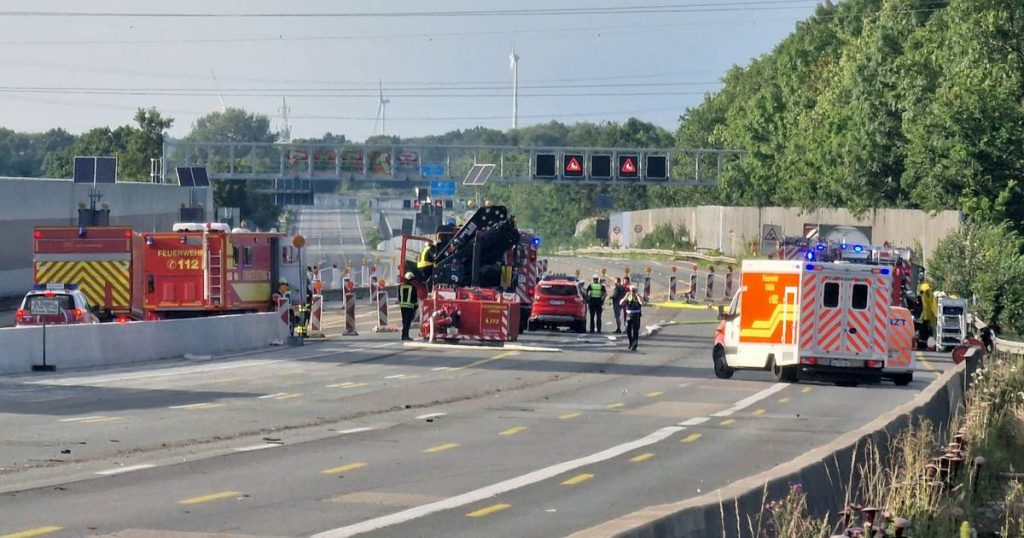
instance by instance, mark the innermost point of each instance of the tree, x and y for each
(133, 146)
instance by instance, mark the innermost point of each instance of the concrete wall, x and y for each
(732, 229)
(26, 203)
(77, 346)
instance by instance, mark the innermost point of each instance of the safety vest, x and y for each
(633, 304)
(407, 296)
(596, 290)
(426, 258)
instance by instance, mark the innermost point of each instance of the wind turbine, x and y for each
(382, 108)
(220, 93)
(514, 64)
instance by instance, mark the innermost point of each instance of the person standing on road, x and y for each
(618, 292)
(596, 294)
(632, 305)
(408, 300)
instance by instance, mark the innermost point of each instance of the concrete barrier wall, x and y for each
(76, 346)
(732, 229)
(823, 472)
(26, 203)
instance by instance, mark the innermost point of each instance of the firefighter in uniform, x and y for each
(596, 294)
(631, 305)
(408, 300)
(425, 265)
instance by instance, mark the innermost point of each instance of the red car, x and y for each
(558, 302)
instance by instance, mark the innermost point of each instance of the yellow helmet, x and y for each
(925, 287)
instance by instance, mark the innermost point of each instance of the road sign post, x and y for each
(43, 308)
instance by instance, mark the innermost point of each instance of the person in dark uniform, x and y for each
(408, 300)
(632, 306)
(596, 294)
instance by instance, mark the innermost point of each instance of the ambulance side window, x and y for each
(830, 295)
(859, 301)
(246, 256)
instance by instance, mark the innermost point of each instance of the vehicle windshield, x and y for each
(64, 301)
(563, 290)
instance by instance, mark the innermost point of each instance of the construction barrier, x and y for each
(382, 314)
(691, 295)
(647, 288)
(729, 290)
(284, 312)
(672, 287)
(350, 313)
(316, 316)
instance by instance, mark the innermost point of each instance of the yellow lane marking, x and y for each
(569, 416)
(805, 390)
(691, 438)
(484, 361)
(346, 385)
(577, 479)
(289, 396)
(727, 421)
(642, 457)
(344, 468)
(654, 394)
(783, 400)
(206, 405)
(97, 420)
(928, 366)
(758, 413)
(489, 510)
(513, 430)
(32, 532)
(615, 405)
(210, 497)
(439, 448)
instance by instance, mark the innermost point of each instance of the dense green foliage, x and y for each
(133, 147)
(28, 154)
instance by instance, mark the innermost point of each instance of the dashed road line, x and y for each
(290, 396)
(79, 419)
(489, 510)
(570, 416)
(583, 477)
(33, 532)
(727, 422)
(357, 430)
(348, 385)
(484, 361)
(642, 457)
(128, 469)
(430, 415)
(210, 497)
(615, 405)
(344, 468)
(268, 396)
(759, 412)
(514, 430)
(98, 420)
(204, 405)
(440, 448)
(805, 390)
(750, 400)
(654, 394)
(783, 400)
(695, 421)
(691, 438)
(256, 447)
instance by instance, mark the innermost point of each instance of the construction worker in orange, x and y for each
(408, 301)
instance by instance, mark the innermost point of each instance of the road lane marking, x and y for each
(750, 400)
(274, 395)
(430, 415)
(489, 510)
(98, 420)
(691, 438)
(805, 390)
(211, 497)
(440, 369)
(569, 416)
(128, 469)
(204, 405)
(578, 479)
(78, 419)
(654, 394)
(759, 412)
(783, 400)
(396, 376)
(493, 490)
(928, 366)
(642, 457)
(33, 532)
(289, 396)
(357, 430)
(344, 468)
(695, 421)
(348, 385)
(727, 422)
(484, 361)
(514, 430)
(439, 448)
(615, 405)
(256, 447)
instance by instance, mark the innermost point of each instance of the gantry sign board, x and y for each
(425, 163)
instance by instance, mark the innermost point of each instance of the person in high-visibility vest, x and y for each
(632, 306)
(425, 265)
(408, 300)
(596, 294)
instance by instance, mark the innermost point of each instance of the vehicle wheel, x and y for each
(902, 380)
(784, 374)
(531, 325)
(722, 370)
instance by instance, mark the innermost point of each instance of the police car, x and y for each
(54, 304)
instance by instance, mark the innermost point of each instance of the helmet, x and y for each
(409, 275)
(595, 276)
(632, 287)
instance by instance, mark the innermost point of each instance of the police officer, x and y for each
(596, 294)
(632, 306)
(408, 300)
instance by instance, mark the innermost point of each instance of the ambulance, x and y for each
(804, 319)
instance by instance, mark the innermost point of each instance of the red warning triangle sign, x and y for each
(573, 166)
(628, 167)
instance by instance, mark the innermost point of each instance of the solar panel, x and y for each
(106, 169)
(199, 176)
(85, 169)
(185, 176)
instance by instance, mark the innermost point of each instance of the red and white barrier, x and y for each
(350, 313)
(316, 317)
(382, 314)
(672, 287)
(284, 311)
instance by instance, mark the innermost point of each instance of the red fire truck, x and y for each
(197, 269)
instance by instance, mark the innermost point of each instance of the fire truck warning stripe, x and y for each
(91, 277)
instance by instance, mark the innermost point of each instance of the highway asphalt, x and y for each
(361, 434)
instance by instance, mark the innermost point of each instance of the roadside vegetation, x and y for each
(929, 482)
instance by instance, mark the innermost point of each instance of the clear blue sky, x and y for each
(440, 72)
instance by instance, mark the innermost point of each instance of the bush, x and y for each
(665, 236)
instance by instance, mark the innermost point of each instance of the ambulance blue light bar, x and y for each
(858, 248)
(54, 287)
(536, 241)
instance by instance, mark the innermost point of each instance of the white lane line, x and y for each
(695, 421)
(497, 489)
(440, 369)
(356, 430)
(389, 344)
(274, 395)
(77, 419)
(130, 468)
(430, 415)
(203, 405)
(750, 400)
(396, 376)
(256, 447)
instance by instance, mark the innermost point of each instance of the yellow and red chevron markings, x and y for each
(104, 283)
(783, 313)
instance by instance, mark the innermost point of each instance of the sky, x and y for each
(441, 65)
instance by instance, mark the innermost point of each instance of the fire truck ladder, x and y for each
(212, 274)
